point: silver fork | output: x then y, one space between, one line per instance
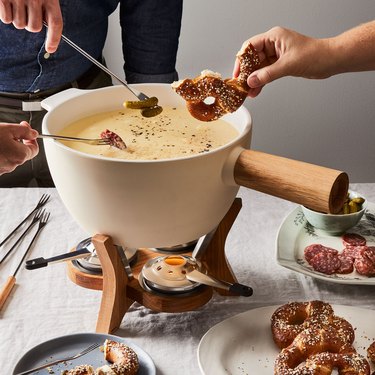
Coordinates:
90 141
80 354
42 201
37 216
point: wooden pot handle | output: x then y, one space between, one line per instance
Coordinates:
319 188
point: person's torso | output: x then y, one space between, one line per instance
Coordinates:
26 67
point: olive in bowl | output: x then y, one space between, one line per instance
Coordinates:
336 224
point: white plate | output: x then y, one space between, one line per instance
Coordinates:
243 344
296 233
64 346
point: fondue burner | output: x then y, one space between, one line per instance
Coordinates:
168 274
181 274
91 263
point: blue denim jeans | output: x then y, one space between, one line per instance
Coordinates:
150 33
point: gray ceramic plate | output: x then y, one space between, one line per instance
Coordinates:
64 346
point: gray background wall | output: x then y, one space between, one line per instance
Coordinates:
327 122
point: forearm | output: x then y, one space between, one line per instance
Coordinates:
354 49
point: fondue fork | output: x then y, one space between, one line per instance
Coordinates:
90 141
138 94
34 220
43 217
42 201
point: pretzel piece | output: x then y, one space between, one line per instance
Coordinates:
228 94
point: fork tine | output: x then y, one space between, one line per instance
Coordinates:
43 200
45 217
35 219
38 213
92 347
87 350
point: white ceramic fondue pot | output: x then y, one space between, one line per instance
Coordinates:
162 203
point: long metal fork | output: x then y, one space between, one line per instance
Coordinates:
139 95
11 280
35 219
42 223
90 141
37 216
42 201
80 354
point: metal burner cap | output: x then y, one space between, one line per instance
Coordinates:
178 249
168 274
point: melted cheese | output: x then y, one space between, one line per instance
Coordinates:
173 133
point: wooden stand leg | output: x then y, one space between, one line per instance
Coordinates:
214 257
114 302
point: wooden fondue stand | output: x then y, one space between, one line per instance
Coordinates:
120 291
319 188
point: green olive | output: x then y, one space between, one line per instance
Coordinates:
140 104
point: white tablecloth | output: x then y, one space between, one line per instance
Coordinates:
45 304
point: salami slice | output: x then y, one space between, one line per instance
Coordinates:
353 239
364 266
346 264
314 249
311 250
369 252
352 251
114 139
326 262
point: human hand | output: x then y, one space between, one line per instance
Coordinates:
17 145
284 52
30 14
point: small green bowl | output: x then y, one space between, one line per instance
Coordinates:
335 224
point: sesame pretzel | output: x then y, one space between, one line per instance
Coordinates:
123 361
318 351
292 318
228 94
